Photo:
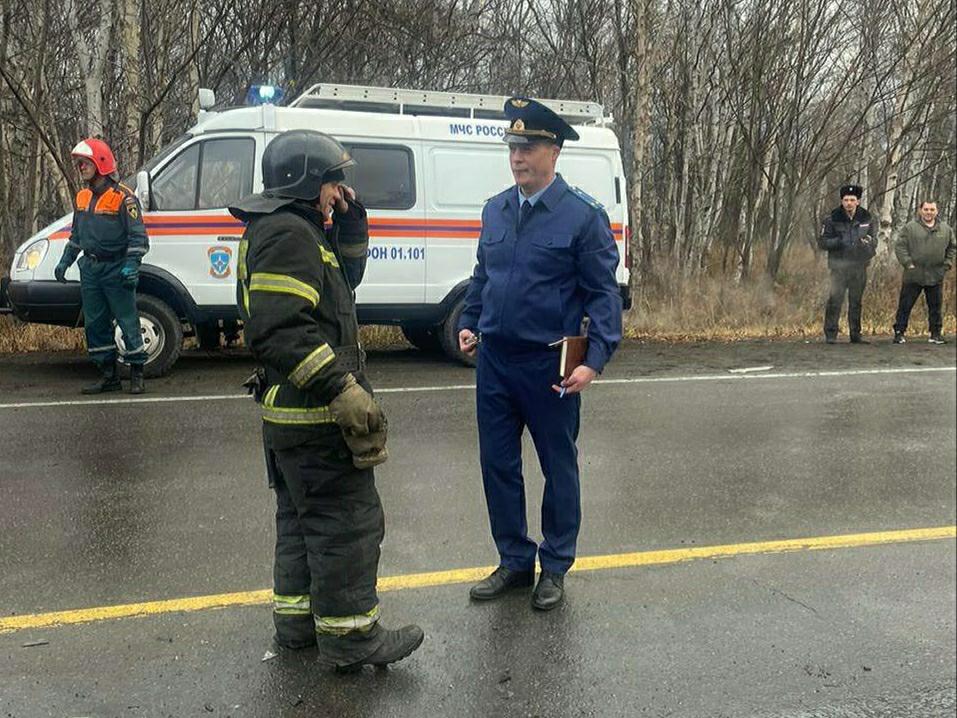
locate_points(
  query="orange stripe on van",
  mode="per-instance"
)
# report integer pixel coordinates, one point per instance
(390, 227)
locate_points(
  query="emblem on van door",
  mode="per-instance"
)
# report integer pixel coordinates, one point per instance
(219, 261)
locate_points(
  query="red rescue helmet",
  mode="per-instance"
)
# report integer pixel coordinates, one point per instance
(99, 153)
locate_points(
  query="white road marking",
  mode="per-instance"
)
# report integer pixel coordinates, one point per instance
(469, 387)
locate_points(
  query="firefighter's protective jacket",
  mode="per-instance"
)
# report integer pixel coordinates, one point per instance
(296, 296)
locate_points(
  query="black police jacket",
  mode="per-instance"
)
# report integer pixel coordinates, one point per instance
(849, 240)
(295, 291)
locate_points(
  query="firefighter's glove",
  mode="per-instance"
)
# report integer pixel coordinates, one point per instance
(362, 423)
(60, 270)
(256, 386)
(130, 273)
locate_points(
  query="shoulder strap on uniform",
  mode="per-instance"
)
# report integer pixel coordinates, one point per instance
(585, 197)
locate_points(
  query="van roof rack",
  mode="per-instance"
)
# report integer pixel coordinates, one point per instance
(426, 102)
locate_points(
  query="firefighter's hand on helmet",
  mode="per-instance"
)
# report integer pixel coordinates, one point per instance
(346, 194)
(362, 422)
(60, 270)
(130, 273)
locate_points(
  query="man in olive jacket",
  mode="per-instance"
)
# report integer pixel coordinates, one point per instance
(926, 250)
(849, 236)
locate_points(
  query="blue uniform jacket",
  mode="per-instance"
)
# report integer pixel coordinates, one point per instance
(534, 285)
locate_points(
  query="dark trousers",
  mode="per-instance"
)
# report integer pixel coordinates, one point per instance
(933, 295)
(329, 525)
(105, 299)
(514, 392)
(849, 279)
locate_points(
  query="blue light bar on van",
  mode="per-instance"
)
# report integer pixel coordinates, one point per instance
(264, 94)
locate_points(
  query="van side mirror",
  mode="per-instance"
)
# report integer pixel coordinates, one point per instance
(207, 99)
(143, 189)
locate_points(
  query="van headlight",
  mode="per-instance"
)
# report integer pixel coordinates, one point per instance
(32, 255)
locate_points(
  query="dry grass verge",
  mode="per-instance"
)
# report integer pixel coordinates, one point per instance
(698, 309)
(708, 308)
(17, 337)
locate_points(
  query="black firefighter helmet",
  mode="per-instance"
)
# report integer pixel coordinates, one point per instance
(297, 163)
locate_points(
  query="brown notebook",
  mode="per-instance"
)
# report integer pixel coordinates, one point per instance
(572, 356)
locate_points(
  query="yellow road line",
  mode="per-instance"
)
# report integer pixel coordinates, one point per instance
(467, 575)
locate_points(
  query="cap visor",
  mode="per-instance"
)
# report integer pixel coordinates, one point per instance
(514, 139)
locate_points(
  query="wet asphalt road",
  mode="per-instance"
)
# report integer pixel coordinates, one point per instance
(118, 503)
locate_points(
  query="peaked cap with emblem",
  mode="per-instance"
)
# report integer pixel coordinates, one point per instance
(530, 121)
(855, 190)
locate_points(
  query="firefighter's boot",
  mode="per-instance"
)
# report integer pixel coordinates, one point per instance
(376, 647)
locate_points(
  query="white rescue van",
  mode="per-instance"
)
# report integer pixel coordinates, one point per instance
(426, 164)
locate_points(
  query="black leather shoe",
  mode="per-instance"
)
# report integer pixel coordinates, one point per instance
(549, 592)
(501, 581)
(858, 339)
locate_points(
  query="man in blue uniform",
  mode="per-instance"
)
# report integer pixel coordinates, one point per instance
(546, 260)
(108, 229)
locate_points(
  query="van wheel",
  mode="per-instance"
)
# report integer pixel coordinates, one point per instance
(449, 335)
(424, 338)
(162, 335)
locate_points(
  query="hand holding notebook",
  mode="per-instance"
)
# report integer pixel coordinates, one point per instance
(575, 376)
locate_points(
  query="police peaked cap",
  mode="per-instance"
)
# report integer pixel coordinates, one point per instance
(852, 189)
(530, 121)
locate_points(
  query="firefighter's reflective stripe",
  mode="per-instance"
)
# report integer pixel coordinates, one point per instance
(243, 273)
(341, 625)
(291, 605)
(282, 284)
(328, 257)
(312, 365)
(293, 416)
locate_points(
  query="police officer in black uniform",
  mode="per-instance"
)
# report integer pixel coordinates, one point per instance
(849, 236)
(323, 432)
(546, 260)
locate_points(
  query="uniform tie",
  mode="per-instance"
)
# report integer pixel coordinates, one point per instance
(525, 211)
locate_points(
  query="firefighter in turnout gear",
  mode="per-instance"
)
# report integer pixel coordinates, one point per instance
(108, 229)
(323, 432)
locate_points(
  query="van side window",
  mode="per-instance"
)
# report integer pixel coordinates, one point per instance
(208, 175)
(383, 176)
(226, 172)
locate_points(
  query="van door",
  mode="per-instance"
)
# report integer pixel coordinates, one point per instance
(384, 178)
(599, 173)
(461, 177)
(192, 235)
